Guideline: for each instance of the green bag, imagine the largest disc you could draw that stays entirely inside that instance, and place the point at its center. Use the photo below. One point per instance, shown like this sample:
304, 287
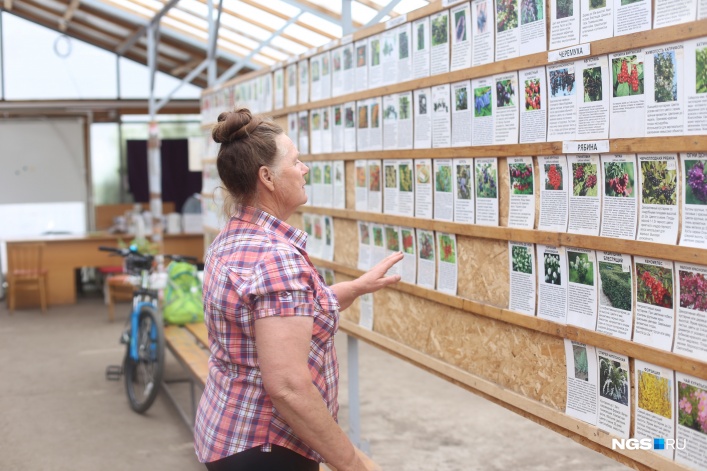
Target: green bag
182, 297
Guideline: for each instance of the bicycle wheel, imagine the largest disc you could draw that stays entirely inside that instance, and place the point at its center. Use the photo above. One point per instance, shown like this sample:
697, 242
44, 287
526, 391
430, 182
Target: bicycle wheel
143, 376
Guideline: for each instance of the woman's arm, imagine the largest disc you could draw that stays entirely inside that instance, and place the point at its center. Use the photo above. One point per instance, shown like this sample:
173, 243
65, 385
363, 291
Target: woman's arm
283, 345
370, 282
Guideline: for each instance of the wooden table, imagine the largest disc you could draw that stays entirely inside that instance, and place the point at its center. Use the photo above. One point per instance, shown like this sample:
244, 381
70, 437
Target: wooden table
64, 254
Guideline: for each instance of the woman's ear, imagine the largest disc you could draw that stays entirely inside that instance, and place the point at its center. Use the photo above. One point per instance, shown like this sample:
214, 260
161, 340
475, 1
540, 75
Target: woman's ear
265, 175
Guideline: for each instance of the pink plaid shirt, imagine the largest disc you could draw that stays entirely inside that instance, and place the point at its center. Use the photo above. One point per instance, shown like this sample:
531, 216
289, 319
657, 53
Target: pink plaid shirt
258, 267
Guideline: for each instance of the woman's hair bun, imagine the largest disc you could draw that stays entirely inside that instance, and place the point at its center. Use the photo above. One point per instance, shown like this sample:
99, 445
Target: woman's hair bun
234, 125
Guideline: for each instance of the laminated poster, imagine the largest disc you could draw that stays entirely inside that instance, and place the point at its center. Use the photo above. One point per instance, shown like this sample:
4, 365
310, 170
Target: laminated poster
366, 314
441, 116
655, 396
361, 69
425, 258
303, 72
507, 31
506, 97
303, 132
674, 12
443, 195
658, 206
691, 322
375, 69
423, 188
361, 168
585, 199
701, 10
315, 244
406, 188
691, 430
482, 31
447, 266
326, 130
337, 128
405, 135
375, 121
393, 244
463, 193
562, 102
327, 188
421, 48
350, 127
308, 228
461, 37
461, 114
533, 105
291, 73
375, 192
315, 88
390, 122
328, 246
597, 20
423, 120
337, 72
655, 310
308, 189
564, 23
338, 169
582, 288
482, 119
533, 33
521, 181
316, 170
404, 38
486, 183
615, 316
364, 246
593, 98
522, 277
363, 135
554, 194
627, 107
326, 76
694, 200
389, 56
391, 192
279, 76
696, 86
552, 283
664, 82
632, 17
315, 127
408, 267
582, 381
348, 56
292, 120
614, 393
439, 42
378, 244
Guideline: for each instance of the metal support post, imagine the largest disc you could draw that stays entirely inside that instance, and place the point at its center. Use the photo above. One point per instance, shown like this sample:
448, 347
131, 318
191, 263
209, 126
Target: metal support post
154, 151
346, 18
354, 401
381, 14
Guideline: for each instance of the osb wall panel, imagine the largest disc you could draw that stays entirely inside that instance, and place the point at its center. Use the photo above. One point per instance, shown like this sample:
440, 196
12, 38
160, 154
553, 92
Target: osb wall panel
503, 191
352, 313
296, 221
346, 242
350, 174
483, 270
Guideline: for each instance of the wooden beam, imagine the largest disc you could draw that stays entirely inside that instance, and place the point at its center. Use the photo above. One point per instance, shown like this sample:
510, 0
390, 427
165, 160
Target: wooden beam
318, 8
8, 5
286, 17
375, 6
69, 14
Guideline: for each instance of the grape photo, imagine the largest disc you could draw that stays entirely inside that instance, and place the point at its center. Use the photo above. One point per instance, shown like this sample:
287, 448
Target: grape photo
562, 82
618, 179
628, 76
592, 84
405, 172
695, 182
440, 35
658, 183
464, 182
665, 76
506, 15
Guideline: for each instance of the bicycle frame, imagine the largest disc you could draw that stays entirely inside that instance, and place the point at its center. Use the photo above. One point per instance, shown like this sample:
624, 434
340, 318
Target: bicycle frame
138, 302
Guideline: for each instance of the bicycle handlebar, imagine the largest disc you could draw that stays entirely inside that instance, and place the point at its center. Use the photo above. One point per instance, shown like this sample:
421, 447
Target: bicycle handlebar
127, 252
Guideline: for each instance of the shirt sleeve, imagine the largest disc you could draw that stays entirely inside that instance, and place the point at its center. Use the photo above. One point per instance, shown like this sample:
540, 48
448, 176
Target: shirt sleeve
282, 285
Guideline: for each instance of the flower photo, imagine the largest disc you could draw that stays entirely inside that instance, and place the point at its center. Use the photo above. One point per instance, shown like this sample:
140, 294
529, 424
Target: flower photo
654, 285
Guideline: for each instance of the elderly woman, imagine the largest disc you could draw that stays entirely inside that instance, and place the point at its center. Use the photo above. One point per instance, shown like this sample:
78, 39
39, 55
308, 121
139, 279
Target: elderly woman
270, 401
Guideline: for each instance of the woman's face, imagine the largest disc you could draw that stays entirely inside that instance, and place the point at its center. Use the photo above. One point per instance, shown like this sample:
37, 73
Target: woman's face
290, 172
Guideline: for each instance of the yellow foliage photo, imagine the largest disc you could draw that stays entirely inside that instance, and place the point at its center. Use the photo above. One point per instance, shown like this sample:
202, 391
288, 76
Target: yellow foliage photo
654, 394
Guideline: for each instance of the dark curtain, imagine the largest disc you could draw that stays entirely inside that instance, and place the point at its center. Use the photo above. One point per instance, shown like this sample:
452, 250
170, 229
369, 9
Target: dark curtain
178, 183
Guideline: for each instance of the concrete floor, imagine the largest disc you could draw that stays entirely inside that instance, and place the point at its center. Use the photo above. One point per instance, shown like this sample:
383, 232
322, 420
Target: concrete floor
58, 412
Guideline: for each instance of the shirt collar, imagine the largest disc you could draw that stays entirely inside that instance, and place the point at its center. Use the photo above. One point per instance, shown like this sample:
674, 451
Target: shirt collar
270, 223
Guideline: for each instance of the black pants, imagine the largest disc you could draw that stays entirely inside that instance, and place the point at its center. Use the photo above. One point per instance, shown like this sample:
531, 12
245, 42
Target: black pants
279, 459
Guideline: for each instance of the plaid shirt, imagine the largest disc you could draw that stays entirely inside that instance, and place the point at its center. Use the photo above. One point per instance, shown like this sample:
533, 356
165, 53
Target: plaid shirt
257, 267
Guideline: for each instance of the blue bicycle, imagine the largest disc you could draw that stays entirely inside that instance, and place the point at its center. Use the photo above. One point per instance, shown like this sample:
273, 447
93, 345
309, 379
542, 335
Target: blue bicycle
143, 365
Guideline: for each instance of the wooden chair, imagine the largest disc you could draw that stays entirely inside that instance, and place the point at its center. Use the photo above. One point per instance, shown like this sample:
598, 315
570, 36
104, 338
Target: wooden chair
118, 288
25, 270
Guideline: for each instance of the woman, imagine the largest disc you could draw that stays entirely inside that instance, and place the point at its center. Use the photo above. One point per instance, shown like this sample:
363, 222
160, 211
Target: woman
270, 401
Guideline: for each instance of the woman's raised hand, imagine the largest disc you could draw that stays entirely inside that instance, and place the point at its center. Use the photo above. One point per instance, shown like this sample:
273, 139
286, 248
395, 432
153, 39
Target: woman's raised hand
375, 278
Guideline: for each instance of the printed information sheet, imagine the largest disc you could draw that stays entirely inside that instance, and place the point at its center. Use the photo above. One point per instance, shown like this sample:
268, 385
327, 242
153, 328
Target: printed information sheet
533, 33
378, 244
279, 76
405, 135
391, 191
375, 192
619, 211
486, 174
655, 396
521, 180
593, 98
482, 120
315, 90
691, 322
339, 170
585, 200
364, 245
375, 69
303, 132
337, 72
423, 120
404, 38
554, 194
632, 17
408, 267
665, 91
348, 56
506, 96
463, 195
328, 248
533, 109
447, 266
658, 206
350, 127
694, 200
375, 123
674, 12
425, 258
389, 56
327, 188
363, 135
303, 72
628, 101
461, 36
366, 311
423, 188
562, 102
291, 73
655, 294
461, 114
615, 295
361, 70
522, 277
597, 20
691, 428
564, 23
392, 245
439, 51
326, 130
406, 193
508, 33
361, 167
483, 32
441, 116
337, 129
315, 127
315, 244
696, 86
582, 291
390, 122
443, 196
552, 283
582, 378
421, 48
614, 393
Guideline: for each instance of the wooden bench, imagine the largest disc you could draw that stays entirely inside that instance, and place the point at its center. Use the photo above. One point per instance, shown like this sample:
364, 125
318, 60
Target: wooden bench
189, 345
